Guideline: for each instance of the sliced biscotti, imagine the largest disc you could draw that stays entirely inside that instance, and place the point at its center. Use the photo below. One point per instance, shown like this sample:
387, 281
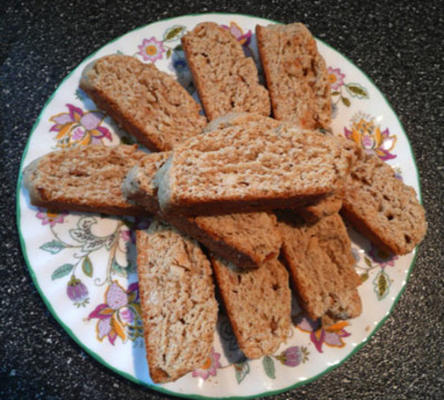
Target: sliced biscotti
226, 80
147, 103
83, 178
250, 168
240, 119
179, 309
296, 75
258, 304
321, 266
247, 239
382, 207
329, 205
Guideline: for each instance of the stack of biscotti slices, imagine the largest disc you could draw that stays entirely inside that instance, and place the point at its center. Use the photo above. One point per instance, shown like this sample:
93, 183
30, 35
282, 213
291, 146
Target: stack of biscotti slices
261, 195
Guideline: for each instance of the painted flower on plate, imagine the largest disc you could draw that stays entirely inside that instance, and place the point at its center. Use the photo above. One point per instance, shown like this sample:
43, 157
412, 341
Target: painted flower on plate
368, 135
332, 335
77, 292
335, 78
79, 127
119, 311
210, 366
51, 218
151, 50
243, 38
291, 357
381, 257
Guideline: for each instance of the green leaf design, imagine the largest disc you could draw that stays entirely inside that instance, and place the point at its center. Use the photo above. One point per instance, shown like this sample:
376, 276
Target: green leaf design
62, 271
356, 90
120, 270
364, 277
169, 51
268, 365
241, 371
87, 267
346, 101
80, 94
381, 284
173, 33
368, 262
178, 47
53, 247
335, 93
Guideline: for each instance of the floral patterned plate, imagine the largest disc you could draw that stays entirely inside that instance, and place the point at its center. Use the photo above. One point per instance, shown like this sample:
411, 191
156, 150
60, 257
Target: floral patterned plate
84, 265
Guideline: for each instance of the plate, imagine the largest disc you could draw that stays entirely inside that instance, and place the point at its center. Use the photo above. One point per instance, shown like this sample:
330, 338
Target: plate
84, 265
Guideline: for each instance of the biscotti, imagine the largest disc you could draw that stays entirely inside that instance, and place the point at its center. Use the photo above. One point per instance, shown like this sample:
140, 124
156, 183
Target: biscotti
329, 205
321, 267
250, 168
83, 178
247, 239
147, 103
226, 80
296, 75
179, 309
258, 305
382, 207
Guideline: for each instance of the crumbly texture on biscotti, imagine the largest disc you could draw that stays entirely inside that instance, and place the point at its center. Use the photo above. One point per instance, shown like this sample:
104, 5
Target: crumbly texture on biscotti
382, 207
329, 205
250, 168
83, 178
247, 239
321, 266
258, 305
179, 309
226, 80
138, 184
240, 119
296, 75
147, 103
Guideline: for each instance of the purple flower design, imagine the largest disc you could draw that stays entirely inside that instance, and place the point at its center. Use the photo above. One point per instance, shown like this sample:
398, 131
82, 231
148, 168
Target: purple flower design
151, 49
381, 257
118, 311
331, 336
77, 292
291, 357
210, 366
243, 38
79, 127
50, 218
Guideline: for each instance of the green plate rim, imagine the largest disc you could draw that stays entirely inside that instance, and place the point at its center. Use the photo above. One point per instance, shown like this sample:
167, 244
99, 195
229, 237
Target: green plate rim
97, 357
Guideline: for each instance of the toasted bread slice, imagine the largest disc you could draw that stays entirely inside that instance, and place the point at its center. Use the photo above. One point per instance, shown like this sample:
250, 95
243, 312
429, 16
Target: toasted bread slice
149, 104
296, 75
226, 80
83, 178
179, 309
382, 207
251, 168
321, 267
258, 304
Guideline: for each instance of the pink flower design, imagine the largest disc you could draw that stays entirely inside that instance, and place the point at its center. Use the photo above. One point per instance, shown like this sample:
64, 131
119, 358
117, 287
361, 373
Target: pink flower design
50, 218
335, 77
119, 311
332, 335
151, 50
77, 292
210, 367
79, 127
243, 38
381, 257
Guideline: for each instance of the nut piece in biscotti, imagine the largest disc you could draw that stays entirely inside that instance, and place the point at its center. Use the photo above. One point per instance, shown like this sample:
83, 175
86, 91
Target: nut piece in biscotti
145, 102
258, 304
83, 178
179, 309
226, 80
382, 207
296, 75
321, 266
247, 239
251, 168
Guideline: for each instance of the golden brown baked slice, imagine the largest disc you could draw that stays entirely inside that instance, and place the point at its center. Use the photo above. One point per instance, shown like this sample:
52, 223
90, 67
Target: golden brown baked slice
147, 103
250, 168
321, 267
382, 207
179, 309
83, 178
258, 304
296, 75
247, 239
226, 80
